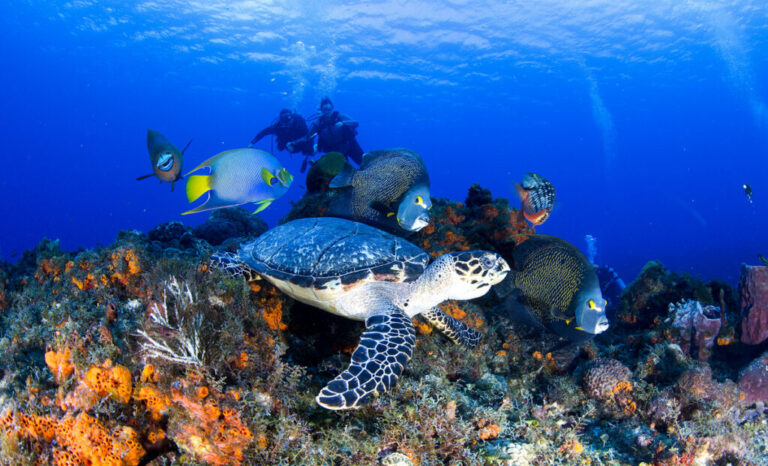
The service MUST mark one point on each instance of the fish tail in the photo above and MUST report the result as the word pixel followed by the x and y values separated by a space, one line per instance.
pixel 197 185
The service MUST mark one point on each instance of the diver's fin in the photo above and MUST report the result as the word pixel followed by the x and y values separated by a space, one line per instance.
pixel 186 147
pixel 268 177
pixel 381 208
pixel 144 177
pixel 344 178
pixel 197 185
pixel 262 205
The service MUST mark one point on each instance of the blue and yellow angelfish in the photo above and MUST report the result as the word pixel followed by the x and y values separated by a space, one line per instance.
pixel 239 176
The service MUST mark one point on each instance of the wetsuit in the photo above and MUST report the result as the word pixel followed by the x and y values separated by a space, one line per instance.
pixel 295 129
pixel 333 138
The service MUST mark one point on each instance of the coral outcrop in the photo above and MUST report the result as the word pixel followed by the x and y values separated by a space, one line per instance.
pixel 753 294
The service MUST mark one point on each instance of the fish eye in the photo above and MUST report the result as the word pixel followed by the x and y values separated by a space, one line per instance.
pixel 591 304
pixel 165 161
pixel 419 200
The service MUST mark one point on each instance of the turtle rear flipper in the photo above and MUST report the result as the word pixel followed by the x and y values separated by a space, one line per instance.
pixel 454 329
pixel 231 264
pixel 385 347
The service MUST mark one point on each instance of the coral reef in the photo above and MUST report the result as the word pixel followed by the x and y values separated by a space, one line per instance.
pixel 695 327
pixel 138 353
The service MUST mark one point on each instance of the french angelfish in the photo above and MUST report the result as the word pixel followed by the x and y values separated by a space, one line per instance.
pixel 390 190
pixel 537 195
pixel 552 286
pixel 165 157
pixel 239 176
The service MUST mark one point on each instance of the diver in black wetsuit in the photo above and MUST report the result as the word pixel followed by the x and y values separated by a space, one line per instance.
pixel 289 127
pixel 335 133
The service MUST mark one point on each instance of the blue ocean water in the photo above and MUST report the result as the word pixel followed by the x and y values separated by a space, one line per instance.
pixel 648 117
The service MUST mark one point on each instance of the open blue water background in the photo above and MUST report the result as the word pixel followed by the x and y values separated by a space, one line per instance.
pixel 648 116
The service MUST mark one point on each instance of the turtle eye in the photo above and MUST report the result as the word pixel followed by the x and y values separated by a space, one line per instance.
pixel 487 262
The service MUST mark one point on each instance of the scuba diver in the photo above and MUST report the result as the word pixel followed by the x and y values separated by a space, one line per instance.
pixel 289 127
pixel 335 133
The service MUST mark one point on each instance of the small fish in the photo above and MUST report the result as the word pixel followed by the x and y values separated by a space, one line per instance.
pixel 390 190
pixel 553 286
pixel 747 191
pixel 762 259
pixel 165 157
pixel 239 176
pixel 538 196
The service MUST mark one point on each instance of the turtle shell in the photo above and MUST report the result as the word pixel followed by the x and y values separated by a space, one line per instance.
pixel 316 259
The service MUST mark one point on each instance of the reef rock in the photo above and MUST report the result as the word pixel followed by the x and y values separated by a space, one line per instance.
pixel 235 222
pixel 696 326
pixel 753 381
pixel 753 294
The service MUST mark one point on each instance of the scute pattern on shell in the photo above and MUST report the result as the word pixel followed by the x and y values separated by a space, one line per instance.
pixel 323 248
pixel 602 376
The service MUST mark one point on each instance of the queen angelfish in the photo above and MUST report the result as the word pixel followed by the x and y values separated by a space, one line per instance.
pixel 239 176
pixel 165 157
pixel 390 190
pixel 553 286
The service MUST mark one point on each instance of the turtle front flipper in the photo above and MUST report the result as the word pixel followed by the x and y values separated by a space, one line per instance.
pixel 385 347
pixel 231 264
pixel 454 329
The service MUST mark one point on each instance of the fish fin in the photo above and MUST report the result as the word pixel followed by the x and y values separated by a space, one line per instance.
pixel 172 183
pixel 344 178
pixel 144 177
pixel 558 314
pixel 381 208
pixel 267 177
pixel 521 215
pixel 197 185
pixel 186 147
pixel 517 311
pixel 262 205
pixel 521 191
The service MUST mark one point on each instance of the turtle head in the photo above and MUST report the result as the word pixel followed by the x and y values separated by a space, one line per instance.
pixel 470 274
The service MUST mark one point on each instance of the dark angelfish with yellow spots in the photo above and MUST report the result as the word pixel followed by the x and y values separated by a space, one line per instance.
pixel 537 196
pixel 553 286
pixel 390 190
pixel 165 157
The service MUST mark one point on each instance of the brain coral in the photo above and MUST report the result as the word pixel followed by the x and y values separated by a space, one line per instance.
pixel 603 378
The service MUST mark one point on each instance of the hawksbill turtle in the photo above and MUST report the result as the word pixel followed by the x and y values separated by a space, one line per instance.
pixel 362 273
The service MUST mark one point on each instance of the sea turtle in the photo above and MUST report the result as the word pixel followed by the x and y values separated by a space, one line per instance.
pixel 362 273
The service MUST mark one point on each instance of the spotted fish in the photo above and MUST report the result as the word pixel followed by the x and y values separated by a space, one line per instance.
pixel 390 190
pixel 553 286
